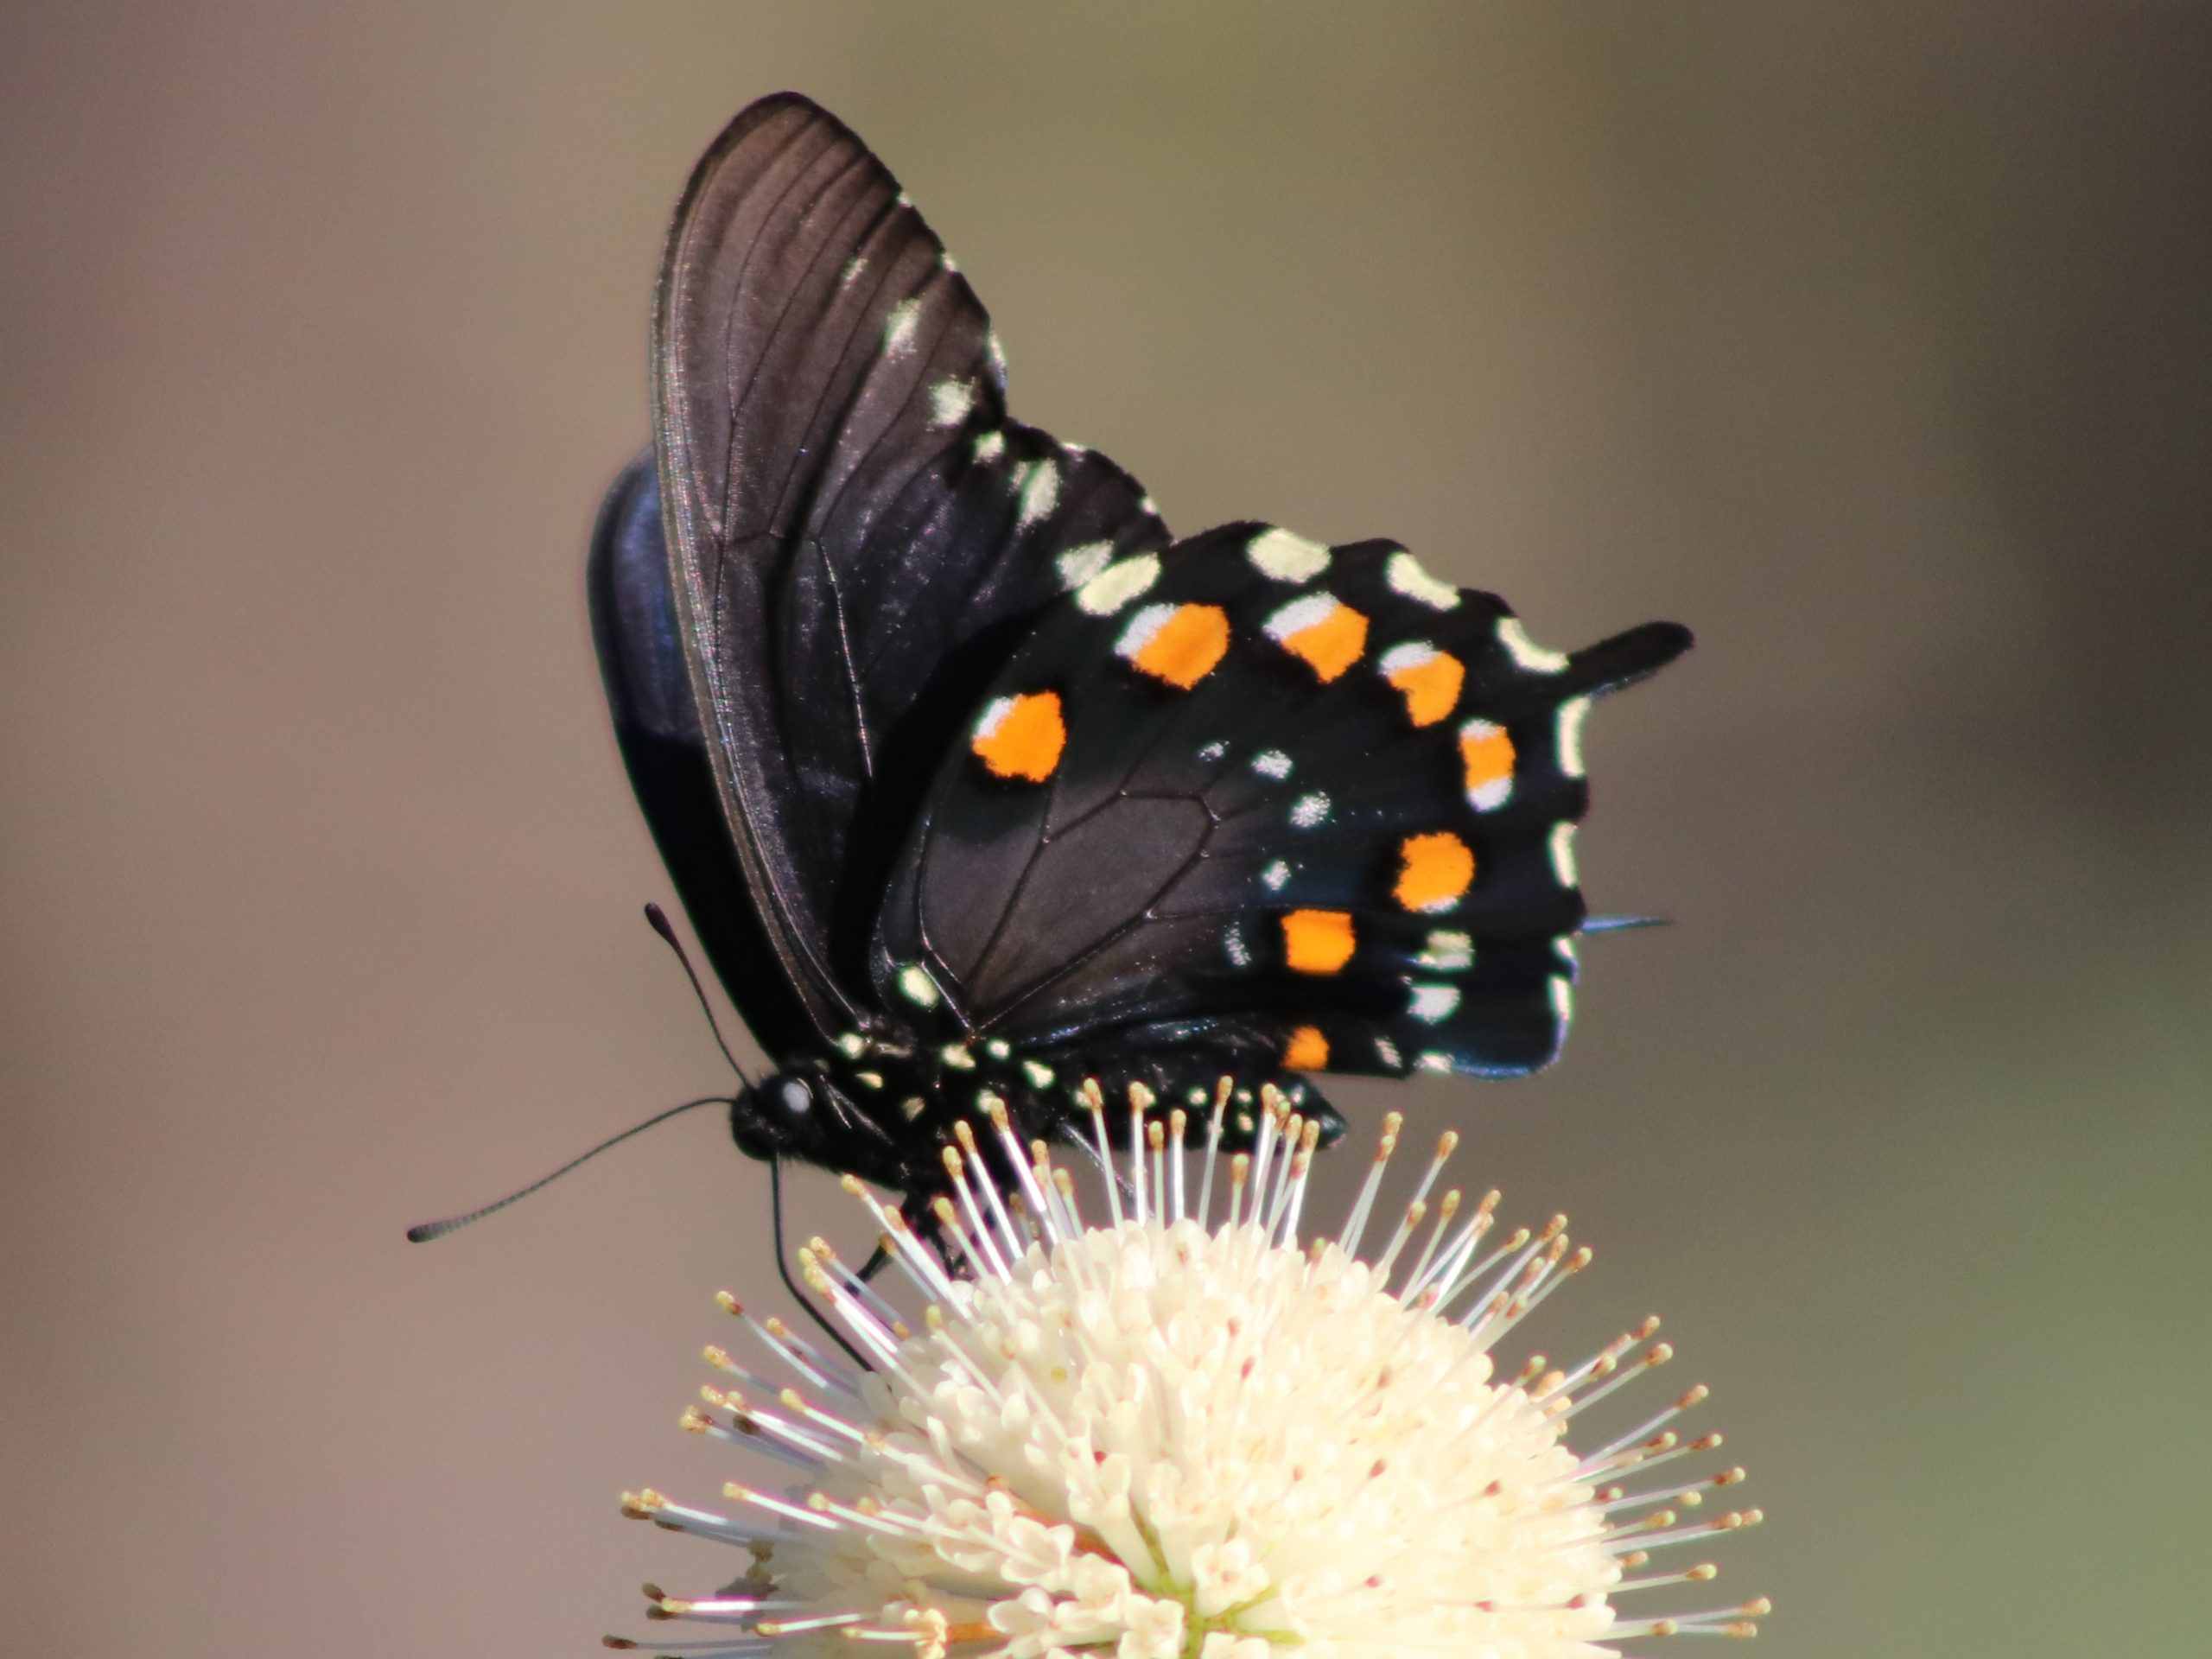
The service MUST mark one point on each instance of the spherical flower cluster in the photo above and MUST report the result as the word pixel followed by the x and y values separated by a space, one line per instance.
pixel 1176 1433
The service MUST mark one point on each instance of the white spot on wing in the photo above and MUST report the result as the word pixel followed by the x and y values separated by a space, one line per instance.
pixel 1563 854
pixel 1412 654
pixel 914 982
pixel 1308 811
pixel 1040 1076
pixel 1525 652
pixel 990 445
pixel 899 326
pixel 1213 750
pixel 1406 577
pixel 1142 628
pixel 1041 492
pixel 957 1056
pixel 1118 583
pixel 986 723
pixel 1299 615
pixel 851 273
pixel 1571 714
pixel 1387 1052
pixel 950 401
pixel 1287 556
pixel 1431 1061
pixel 1563 1000
pixel 1080 564
pixel 1271 763
pixel 997 355
pixel 1276 876
pixel 1232 941
pixel 1446 953
pixel 1433 1002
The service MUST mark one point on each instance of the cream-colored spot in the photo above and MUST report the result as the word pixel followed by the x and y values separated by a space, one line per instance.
pixel 1039 1075
pixel 1406 577
pixel 917 987
pixel 1432 1060
pixel 899 326
pixel 1039 488
pixel 1271 763
pixel 851 273
pixel 1387 1052
pixel 913 1106
pixel 1433 1003
pixel 1563 854
pixel 990 445
pixel 1563 1000
pixel 1525 652
pixel 950 401
pixel 957 1055
pixel 1287 556
pixel 1080 564
pixel 1307 810
pixel 1119 583
pixel 1446 952
pixel 1571 714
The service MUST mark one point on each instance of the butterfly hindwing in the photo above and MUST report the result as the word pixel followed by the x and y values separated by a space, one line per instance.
pixel 1262 796
pixel 857 531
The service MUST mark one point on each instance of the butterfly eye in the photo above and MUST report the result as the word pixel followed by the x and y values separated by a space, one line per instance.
pixel 796 1098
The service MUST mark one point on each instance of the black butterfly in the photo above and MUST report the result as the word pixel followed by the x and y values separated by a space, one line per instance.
pixel 972 777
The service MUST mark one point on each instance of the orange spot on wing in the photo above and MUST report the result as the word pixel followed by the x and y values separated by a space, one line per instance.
pixel 1430 688
pixel 1186 645
pixel 1318 941
pixel 1486 754
pixel 1022 737
pixel 1433 870
pixel 1307 1049
pixel 1330 643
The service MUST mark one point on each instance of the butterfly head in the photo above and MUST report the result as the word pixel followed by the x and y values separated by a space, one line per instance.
pixel 777 1116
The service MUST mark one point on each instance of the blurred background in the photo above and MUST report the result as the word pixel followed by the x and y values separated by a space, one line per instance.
pixel 1875 342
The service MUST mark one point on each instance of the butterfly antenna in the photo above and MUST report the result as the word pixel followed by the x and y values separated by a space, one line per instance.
pixel 424 1232
pixel 784 1267
pixel 1619 924
pixel 658 919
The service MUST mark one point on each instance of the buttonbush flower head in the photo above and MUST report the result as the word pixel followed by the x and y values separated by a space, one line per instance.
pixel 1180 1429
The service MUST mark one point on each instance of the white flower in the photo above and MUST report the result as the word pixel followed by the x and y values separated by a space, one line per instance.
pixel 1181 1435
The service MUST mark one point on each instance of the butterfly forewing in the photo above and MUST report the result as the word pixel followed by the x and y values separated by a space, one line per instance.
pixel 858 532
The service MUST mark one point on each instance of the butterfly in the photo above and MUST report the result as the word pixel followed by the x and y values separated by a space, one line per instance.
pixel 976 781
